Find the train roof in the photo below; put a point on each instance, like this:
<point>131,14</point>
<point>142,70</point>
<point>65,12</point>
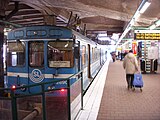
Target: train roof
<point>40,32</point>
<point>46,32</point>
<point>83,38</point>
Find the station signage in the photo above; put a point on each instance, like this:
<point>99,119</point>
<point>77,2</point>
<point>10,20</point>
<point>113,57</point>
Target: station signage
<point>147,34</point>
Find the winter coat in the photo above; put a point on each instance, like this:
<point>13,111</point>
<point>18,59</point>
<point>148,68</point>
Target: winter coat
<point>130,64</point>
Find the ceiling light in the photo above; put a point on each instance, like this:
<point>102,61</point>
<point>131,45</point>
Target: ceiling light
<point>131,23</point>
<point>102,35</point>
<point>144,7</point>
<point>156,24</point>
<point>115,36</point>
<point>103,38</point>
<point>152,27</point>
<point>137,16</point>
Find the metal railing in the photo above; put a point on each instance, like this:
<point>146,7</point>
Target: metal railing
<point>18,105</point>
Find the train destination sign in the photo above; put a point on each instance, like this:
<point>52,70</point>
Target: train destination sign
<point>147,35</point>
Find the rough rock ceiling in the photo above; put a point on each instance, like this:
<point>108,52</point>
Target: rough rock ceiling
<point>93,16</point>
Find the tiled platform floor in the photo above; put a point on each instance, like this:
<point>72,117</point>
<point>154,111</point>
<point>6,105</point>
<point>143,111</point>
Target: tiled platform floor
<point>120,104</point>
<point>117,102</point>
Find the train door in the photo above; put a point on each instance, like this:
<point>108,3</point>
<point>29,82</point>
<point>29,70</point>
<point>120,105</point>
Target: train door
<point>89,61</point>
<point>16,64</point>
<point>36,63</point>
<point>77,56</point>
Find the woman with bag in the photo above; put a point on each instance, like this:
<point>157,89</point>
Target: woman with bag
<point>130,64</point>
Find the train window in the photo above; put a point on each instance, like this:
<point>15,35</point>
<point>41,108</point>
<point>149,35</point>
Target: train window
<point>36,32</point>
<point>19,34</point>
<point>56,32</point>
<point>16,54</point>
<point>60,54</point>
<point>36,54</point>
<point>97,54</point>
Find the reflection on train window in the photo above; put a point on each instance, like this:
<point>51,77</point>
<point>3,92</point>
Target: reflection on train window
<point>60,54</point>
<point>36,54</point>
<point>16,54</point>
<point>83,55</point>
<point>96,54</point>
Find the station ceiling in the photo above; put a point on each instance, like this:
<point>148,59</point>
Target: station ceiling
<point>91,16</point>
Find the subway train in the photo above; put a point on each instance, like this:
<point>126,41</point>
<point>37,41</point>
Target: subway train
<point>37,54</point>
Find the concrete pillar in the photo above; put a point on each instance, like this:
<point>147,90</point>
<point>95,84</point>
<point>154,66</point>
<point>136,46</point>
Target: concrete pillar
<point>3,6</point>
<point>50,19</point>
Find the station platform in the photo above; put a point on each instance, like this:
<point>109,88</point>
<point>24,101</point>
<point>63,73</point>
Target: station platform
<point>109,99</point>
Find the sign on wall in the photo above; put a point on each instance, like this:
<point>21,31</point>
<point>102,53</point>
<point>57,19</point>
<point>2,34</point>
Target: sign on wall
<point>147,34</point>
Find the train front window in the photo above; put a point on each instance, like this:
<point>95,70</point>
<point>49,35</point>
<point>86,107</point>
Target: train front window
<point>36,54</point>
<point>16,53</point>
<point>60,54</point>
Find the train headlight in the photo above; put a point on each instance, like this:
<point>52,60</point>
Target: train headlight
<point>62,90</point>
<point>13,87</point>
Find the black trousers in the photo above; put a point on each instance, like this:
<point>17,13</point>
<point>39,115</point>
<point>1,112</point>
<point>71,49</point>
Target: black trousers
<point>130,78</point>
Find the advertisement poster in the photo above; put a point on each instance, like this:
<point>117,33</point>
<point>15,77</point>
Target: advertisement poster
<point>134,47</point>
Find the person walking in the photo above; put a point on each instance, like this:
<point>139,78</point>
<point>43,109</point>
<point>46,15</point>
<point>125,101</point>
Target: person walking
<point>130,64</point>
<point>113,56</point>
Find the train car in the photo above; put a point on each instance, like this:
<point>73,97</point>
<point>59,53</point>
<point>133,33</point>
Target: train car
<point>50,54</point>
<point>39,54</point>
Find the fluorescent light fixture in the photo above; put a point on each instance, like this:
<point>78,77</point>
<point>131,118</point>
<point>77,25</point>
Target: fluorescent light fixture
<point>145,6</point>
<point>113,42</point>
<point>156,24</point>
<point>142,7</point>
<point>102,35</point>
<point>137,16</point>
<point>103,38</point>
<point>123,35</point>
<point>131,22</point>
<point>152,27</point>
<point>115,36</point>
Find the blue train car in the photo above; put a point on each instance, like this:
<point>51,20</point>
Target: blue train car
<point>39,54</point>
